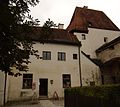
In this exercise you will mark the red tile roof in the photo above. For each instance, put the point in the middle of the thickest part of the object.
(60, 36)
(84, 18)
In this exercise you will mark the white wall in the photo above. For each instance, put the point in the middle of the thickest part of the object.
(1, 87)
(108, 54)
(89, 71)
(94, 39)
(51, 69)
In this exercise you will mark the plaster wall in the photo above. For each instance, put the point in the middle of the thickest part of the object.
(1, 87)
(50, 69)
(109, 53)
(95, 39)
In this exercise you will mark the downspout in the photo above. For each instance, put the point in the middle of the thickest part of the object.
(80, 65)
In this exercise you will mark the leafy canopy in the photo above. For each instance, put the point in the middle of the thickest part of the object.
(14, 48)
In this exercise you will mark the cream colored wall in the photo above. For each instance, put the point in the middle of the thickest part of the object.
(51, 69)
(1, 87)
(89, 71)
(108, 54)
(94, 39)
(2, 83)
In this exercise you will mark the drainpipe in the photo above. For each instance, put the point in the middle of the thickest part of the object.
(80, 65)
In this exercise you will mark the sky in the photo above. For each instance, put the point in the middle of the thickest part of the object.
(61, 11)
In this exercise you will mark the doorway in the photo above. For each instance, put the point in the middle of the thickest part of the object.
(43, 87)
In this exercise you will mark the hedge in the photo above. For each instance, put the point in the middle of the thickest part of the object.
(104, 91)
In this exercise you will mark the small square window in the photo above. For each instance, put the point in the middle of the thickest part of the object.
(105, 39)
(83, 37)
(74, 56)
(66, 80)
(27, 81)
(61, 56)
(46, 55)
(92, 83)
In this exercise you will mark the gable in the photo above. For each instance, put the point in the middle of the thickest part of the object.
(84, 18)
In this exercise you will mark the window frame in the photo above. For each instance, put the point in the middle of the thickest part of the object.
(46, 55)
(66, 84)
(105, 39)
(29, 81)
(83, 37)
(75, 56)
(61, 56)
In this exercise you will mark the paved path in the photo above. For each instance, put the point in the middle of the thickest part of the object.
(40, 103)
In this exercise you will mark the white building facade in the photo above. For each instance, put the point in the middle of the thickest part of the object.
(58, 68)
(93, 28)
(63, 61)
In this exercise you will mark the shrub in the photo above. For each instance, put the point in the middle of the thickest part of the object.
(104, 91)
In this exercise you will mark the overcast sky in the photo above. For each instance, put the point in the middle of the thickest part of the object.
(61, 11)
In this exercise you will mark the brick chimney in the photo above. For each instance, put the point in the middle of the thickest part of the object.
(85, 7)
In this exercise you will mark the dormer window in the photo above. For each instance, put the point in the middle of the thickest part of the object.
(83, 37)
(89, 24)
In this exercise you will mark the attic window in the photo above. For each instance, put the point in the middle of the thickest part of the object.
(83, 37)
(89, 24)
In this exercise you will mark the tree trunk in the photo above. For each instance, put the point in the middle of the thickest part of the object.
(4, 101)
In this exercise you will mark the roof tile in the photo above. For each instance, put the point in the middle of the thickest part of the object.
(84, 18)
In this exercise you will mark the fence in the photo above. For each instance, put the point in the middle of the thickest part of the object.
(76, 100)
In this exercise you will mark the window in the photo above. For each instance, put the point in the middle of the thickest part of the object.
(66, 80)
(92, 83)
(27, 81)
(62, 56)
(105, 39)
(74, 56)
(83, 37)
(46, 55)
(89, 24)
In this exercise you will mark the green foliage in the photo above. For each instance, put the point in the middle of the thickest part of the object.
(14, 47)
(46, 31)
(104, 91)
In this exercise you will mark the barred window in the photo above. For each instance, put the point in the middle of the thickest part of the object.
(46, 55)
(61, 56)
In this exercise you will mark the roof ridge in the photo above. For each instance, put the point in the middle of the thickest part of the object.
(89, 9)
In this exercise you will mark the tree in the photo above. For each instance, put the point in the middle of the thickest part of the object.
(14, 48)
(46, 31)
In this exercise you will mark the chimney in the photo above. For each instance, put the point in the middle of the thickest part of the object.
(60, 26)
(85, 7)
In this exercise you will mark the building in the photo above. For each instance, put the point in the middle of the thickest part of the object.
(67, 59)
(109, 54)
(93, 28)
(57, 68)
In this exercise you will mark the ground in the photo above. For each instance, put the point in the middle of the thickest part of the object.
(40, 103)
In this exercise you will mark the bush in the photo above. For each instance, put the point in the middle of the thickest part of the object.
(104, 91)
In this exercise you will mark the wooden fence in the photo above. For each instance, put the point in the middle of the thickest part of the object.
(75, 100)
